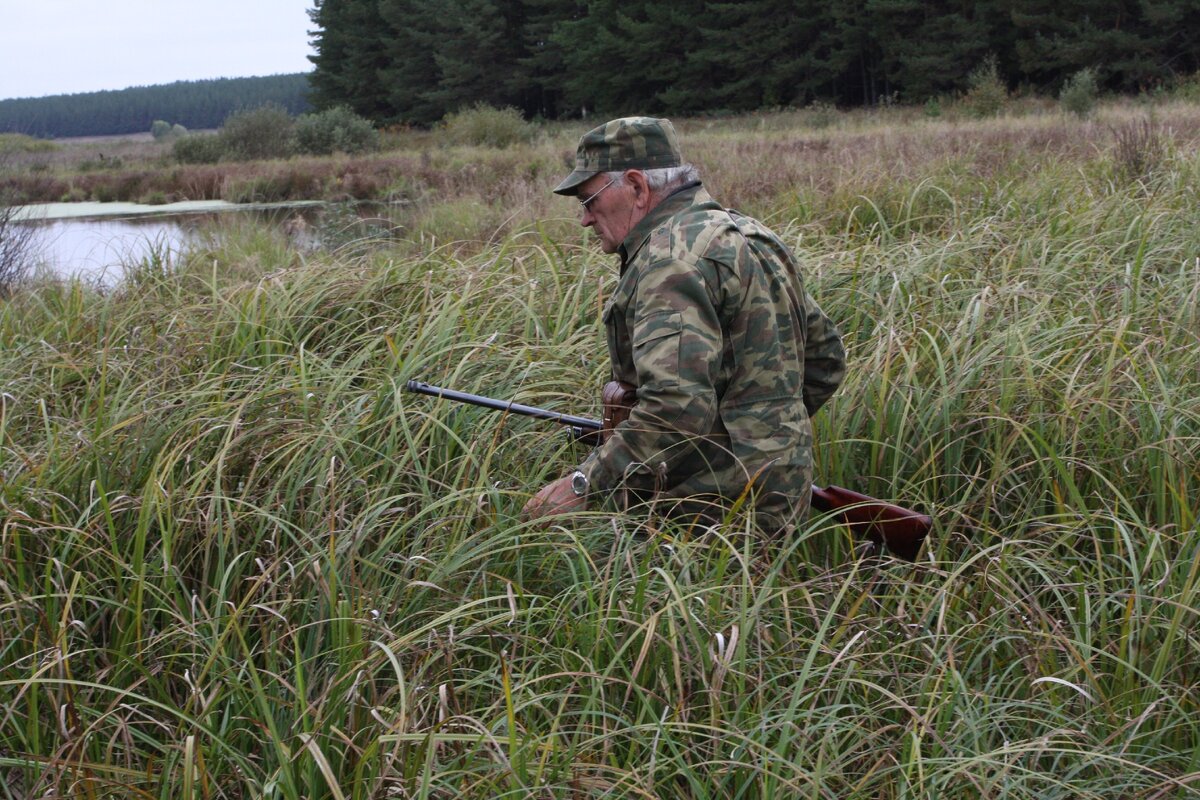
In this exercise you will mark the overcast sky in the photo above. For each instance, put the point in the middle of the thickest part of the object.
(68, 46)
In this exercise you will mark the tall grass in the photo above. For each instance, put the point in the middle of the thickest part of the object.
(237, 560)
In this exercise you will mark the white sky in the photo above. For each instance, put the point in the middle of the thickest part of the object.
(69, 46)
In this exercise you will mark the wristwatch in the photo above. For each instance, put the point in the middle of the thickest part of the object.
(579, 483)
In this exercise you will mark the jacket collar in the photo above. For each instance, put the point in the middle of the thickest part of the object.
(686, 196)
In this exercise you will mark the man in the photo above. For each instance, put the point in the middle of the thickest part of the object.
(711, 322)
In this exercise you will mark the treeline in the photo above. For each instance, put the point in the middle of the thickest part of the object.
(192, 104)
(413, 61)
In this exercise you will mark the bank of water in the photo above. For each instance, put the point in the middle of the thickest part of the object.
(100, 241)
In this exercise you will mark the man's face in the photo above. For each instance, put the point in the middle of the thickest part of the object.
(611, 213)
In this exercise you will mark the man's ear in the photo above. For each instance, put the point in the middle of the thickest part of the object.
(641, 188)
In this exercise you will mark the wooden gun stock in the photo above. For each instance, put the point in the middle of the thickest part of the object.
(899, 529)
(618, 398)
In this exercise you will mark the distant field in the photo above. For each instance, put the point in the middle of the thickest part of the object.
(126, 137)
(69, 141)
(238, 560)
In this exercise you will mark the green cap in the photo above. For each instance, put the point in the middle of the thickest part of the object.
(628, 143)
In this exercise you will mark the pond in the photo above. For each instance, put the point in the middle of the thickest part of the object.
(98, 242)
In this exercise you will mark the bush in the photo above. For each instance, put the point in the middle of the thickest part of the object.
(335, 130)
(1078, 94)
(986, 92)
(17, 239)
(22, 143)
(258, 133)
(820, 114)
(199, 149)
(1187, 88)
(163, 131)
(487, 126)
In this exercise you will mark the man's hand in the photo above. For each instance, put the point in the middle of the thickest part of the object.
(554, 498)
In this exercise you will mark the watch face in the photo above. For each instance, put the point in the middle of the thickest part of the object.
(579, 484)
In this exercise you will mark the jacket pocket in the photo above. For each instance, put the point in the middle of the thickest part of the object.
(656, 348)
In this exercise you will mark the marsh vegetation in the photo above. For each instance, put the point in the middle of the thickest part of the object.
(237, 560)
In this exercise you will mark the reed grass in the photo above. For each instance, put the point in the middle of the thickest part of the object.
(238, 560)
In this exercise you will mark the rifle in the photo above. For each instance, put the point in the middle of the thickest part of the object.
(899, 529)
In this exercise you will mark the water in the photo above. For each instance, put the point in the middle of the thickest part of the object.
(100, 250)
(98, 242)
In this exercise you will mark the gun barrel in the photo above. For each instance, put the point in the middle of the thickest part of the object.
(583, 423)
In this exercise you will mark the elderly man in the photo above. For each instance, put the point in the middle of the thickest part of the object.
(711, 323)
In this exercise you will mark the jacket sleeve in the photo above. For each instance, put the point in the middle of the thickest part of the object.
(824, 357)
(676, 339)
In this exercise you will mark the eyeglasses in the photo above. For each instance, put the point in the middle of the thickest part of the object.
(587, 202)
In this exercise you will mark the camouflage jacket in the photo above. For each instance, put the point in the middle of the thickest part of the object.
(730, 356)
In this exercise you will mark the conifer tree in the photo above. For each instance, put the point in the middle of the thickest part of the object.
(412, 34)
(854, 55)
(927, 46)
(416, 60)
(542, 58)
(627, 57)
(478, 59)
(351, 55)
(1125, 41)
(764, 53)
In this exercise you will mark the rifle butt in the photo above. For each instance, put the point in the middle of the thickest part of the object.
(900, 530)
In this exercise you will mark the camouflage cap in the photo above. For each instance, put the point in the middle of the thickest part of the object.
(628, 143)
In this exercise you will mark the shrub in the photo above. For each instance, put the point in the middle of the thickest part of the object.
(22, 143)
(820, 114)
(198, 149)
(335, 130)
(1187, 87)
(487, 126)
(1078, 94)
(17, 250)
(17, 240)
(163, 131)
(258, 133)
(105, 193)
(986, 92)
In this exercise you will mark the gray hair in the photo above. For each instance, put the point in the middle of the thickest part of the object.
(662, 180)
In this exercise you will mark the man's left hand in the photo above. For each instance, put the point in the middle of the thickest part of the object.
(555, 498)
